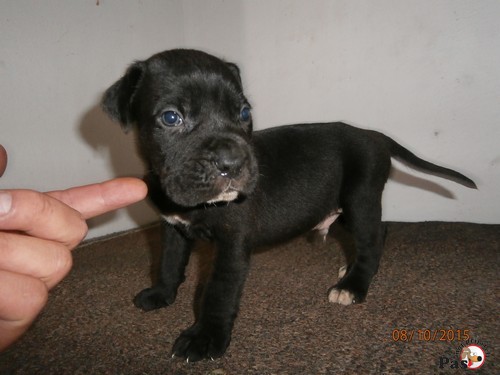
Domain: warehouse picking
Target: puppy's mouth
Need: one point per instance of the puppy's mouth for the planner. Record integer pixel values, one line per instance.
(221, 189)
(190, 187)
(229, 194)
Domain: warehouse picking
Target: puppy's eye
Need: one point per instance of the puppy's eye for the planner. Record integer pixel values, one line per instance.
(245, 114)
(171, 118)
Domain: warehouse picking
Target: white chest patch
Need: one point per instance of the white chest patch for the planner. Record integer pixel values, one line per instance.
(176, 219)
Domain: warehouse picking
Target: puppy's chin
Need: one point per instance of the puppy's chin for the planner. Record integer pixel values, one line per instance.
(226, 196)
(190, 197)
(186, 190)
(193, 198)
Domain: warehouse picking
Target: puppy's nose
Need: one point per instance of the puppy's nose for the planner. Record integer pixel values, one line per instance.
(229, 160)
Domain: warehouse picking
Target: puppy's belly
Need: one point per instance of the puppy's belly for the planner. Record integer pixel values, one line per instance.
(324, 226)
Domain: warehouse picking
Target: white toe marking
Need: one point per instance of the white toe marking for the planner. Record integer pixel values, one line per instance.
(342, 297)
(342, 271)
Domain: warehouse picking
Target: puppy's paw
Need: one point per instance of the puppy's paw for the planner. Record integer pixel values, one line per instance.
(197, 343)
(153, 298)
(341, 296)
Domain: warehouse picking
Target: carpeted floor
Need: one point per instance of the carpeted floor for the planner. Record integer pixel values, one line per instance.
(435, 276)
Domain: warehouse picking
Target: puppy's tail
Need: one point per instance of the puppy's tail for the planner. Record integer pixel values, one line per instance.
(406, 156)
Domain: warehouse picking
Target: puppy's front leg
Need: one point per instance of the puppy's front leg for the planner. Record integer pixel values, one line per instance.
(209, 337)
(175, 255)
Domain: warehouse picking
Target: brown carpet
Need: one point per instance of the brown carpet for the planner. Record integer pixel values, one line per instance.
(432, 276)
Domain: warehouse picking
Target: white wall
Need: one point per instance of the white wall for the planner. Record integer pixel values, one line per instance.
(425, 72)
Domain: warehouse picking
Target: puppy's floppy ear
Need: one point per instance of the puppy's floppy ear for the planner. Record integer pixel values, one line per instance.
(118, 99)
(235, 70)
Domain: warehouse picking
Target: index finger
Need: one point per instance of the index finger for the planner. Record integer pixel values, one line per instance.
(97, 199)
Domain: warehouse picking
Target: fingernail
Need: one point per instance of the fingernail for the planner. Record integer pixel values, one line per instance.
(5, 202)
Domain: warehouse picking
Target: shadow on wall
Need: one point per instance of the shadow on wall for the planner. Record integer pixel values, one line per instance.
(400, 177)
(103, 134)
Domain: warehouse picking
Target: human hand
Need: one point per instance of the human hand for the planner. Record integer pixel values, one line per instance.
(37, 233)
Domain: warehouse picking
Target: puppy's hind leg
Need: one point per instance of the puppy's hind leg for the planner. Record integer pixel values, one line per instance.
(346, 267)
(364, 222)
(175, 255)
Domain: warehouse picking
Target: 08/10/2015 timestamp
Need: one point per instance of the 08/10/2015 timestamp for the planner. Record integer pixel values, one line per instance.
(448, 334)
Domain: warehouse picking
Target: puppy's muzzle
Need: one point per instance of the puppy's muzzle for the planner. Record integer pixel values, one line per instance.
(220, 168)
(229, 158)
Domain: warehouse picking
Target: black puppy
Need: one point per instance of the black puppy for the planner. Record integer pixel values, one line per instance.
(211, 178)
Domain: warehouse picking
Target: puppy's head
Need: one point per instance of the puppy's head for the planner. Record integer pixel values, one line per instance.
(193, 124)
